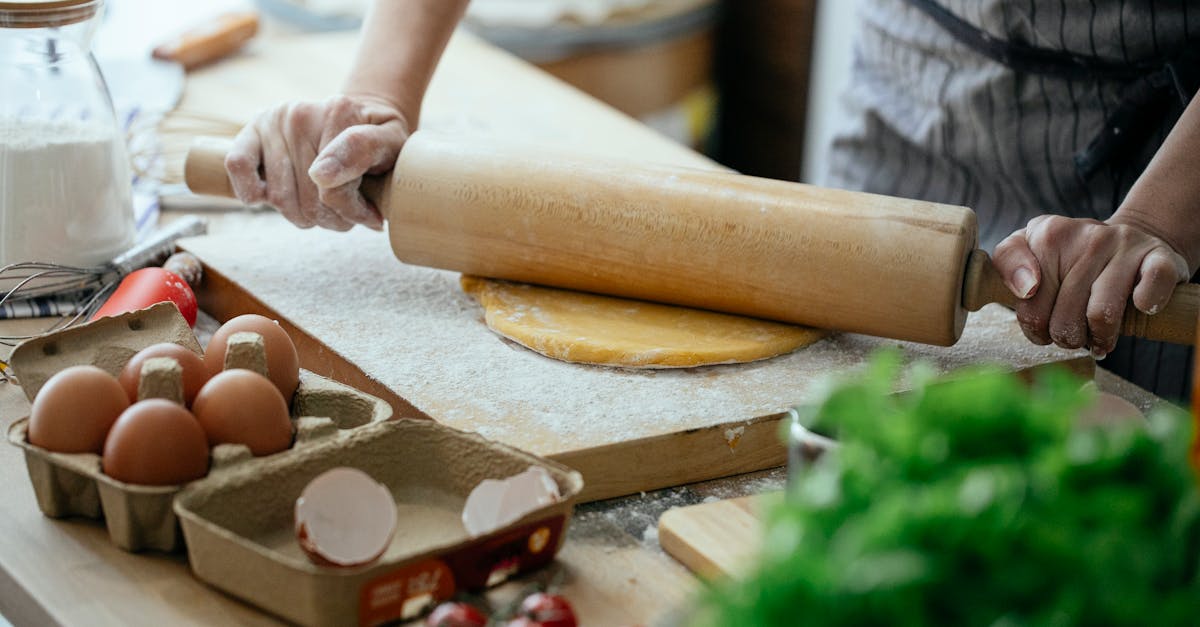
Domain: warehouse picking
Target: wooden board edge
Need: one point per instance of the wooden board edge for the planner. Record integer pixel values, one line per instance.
(1083, 367)
(650, 463)
(20, 605)
(749, 445)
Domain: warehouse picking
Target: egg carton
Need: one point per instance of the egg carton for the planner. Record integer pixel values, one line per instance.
(237, 522)
(141, 517)
(240, 533)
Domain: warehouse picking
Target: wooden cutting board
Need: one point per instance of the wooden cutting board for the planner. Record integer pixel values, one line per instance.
(410, 336)
(716, 539)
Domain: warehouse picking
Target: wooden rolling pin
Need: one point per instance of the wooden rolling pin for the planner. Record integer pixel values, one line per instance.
(834, 259)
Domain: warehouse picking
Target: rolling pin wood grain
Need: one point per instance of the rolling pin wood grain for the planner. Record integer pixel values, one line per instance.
(834, 259)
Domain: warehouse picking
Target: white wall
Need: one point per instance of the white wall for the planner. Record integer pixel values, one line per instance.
(835, 27)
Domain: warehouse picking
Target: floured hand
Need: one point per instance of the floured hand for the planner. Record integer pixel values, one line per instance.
(307, 159)
(1075, 276)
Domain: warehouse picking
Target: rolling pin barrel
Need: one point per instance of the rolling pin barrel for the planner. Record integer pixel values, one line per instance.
(716, 240)
(713, 240)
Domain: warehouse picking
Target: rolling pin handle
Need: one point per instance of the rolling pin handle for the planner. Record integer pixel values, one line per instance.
(983, 284)
(204, 171)
(204, 168)
(1176, 323)
(374, 188)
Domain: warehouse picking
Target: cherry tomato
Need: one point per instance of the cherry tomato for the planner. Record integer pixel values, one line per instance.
(145, 287)
(456, 614)
(548, 610)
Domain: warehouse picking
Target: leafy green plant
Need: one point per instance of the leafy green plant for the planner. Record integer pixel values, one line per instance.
(977, 500)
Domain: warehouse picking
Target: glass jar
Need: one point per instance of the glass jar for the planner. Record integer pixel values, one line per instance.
(64, 175)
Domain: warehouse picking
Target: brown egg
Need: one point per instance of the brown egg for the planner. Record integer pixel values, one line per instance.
(156, 442)
(195, 373)
(243, 407)
(75, 409)
(283, 364)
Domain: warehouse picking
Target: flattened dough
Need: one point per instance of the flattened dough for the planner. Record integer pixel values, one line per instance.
(591, 329)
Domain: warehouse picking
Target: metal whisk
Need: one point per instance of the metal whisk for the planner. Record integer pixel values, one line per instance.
(31, 279)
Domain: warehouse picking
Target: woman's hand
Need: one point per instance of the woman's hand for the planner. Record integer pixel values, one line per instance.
(1075, 276)
(307, 159)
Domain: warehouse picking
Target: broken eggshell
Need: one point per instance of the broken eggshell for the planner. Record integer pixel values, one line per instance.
(345, 518)
(495, 503)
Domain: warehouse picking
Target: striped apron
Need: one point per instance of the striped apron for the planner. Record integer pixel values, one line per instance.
(1017, 108)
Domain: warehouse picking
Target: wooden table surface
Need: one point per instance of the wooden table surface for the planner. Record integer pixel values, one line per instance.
(67, 572)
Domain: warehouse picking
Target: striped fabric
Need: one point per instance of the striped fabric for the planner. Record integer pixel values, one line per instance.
(45, 307)
(933, 119)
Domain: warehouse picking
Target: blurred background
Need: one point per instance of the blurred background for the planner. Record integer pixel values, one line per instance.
(752, 84)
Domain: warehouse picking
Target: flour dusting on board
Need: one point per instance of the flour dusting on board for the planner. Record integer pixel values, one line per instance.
(415, 331)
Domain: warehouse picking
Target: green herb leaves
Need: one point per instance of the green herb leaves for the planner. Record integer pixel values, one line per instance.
(975, 499)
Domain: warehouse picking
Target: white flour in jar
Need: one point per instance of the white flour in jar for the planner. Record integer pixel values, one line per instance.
(64, 193)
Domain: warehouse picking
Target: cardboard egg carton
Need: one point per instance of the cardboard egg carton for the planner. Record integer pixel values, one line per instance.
(237, 521)
(140, 517)
(241, 538)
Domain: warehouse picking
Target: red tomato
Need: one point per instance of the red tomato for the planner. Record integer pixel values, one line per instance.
(145, 287)
(451, 614)
(548, 610)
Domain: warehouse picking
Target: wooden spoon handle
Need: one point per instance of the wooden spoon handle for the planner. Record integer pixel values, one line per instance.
(1176, 323)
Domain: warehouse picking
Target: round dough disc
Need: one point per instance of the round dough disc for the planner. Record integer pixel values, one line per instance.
(592, 329)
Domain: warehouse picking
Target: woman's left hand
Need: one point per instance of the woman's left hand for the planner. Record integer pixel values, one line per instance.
(1074, 277)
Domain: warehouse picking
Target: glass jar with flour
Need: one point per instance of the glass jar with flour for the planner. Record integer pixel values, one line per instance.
(64, 175)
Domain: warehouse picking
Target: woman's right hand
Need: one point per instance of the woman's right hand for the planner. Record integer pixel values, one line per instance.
(307, 159)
